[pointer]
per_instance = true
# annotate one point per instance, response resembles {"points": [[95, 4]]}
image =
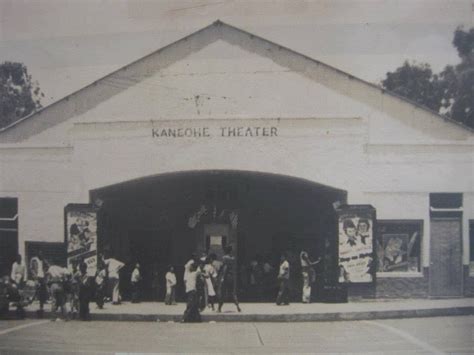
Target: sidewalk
{"points": [[296, 312]]}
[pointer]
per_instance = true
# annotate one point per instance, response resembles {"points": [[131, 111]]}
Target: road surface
{"points": [[417, 335]]}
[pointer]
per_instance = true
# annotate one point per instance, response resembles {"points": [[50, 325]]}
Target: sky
{"points": [[67, 44]]}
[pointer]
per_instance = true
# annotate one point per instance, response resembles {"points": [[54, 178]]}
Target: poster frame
{"points": [[367, 210], [78, 207]]}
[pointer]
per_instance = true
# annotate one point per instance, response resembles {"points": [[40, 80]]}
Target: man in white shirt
{"points": [[18, 274], [187, 267], [191, 314], [284, 282], [113, 267]]}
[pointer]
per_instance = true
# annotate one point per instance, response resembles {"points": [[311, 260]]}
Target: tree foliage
{"points": [[19, 94], [450, 92], [416, 82]]}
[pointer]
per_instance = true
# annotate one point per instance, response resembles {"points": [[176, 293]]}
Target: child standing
{"points": [[170, 286]]}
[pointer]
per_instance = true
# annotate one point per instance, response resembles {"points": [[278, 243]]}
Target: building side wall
{"points": [[43, 180], [333, 152], [404, 287]]}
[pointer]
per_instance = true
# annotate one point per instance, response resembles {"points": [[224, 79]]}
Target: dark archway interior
{"points": [[148, 221]]}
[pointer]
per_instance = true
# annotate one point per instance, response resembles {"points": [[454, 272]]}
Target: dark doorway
{"points": [[151, 248], [161, 220], [446, 273]]}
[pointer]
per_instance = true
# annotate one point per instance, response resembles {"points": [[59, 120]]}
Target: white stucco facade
{"points": [[320, 124]]}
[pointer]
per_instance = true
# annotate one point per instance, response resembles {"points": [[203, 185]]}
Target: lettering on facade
{"points": [[204, 132]]}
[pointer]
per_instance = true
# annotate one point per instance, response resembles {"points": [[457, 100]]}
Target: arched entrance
{"points": [[160, 220]]}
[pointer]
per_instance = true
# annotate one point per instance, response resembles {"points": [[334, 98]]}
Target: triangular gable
{"points": [[92, 95]]}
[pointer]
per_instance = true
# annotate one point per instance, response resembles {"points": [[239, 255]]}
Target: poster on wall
{"points": [[356, 246], [398, 244], [81, 236]]}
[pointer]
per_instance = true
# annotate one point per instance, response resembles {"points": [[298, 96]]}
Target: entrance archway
{"points": [[160, 220]]}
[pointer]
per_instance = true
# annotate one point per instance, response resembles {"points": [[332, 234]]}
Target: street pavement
{"points": [[253, 312], [416, 335]]}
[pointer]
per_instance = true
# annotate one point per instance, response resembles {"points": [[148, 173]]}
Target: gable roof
{"points": [[228, 33]]}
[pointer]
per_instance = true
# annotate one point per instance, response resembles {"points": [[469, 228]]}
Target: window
{"points": [[446, 200], [8, 233], [446, 204], [8, 213], [471, 247], [398, 246]]}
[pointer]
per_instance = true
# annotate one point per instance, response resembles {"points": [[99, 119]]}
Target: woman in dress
{"points": [[210, 275], [308, 274]]}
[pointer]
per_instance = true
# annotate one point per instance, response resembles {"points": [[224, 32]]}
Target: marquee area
{"points": [[160, 220]]}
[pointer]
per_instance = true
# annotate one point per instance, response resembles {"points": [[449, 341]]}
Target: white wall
{"points": [[332, 129]]}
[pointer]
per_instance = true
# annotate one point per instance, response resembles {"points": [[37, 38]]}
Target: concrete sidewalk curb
{"points": [[292, 317]]}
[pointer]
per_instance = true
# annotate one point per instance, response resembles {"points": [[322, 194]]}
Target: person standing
{"points": [[18, 274], [85, 292], [135, 280], [191, 314], [170, 298], [56, 276], [38, 267], [284, 282], [75, 285], [187, 267], [227, 279], [308, 274], [113, 267], [209, 277], [256, 278], [201, 286], [217, 264], [68, 293], [268, 278], [100, 286]]}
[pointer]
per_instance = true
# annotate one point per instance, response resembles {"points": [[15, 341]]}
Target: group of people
{"points": [[70, 289], [208, 280]]}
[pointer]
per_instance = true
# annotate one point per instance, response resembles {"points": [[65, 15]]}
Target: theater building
{"points": [[223, 138]]}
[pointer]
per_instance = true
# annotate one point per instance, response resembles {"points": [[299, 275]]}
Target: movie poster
{"points": [[356, 247], [81, 236], [397, 245]]}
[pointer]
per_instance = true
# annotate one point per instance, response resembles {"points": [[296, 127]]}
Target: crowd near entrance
{"points": [[160, 221]]}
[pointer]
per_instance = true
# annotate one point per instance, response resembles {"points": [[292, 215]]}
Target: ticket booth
{"points": [[214, 238]]}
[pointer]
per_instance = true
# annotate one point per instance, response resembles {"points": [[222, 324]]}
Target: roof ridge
{"points": [[219, 23]]}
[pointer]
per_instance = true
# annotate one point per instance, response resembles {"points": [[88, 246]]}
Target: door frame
{"points": [[441, 217]]}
